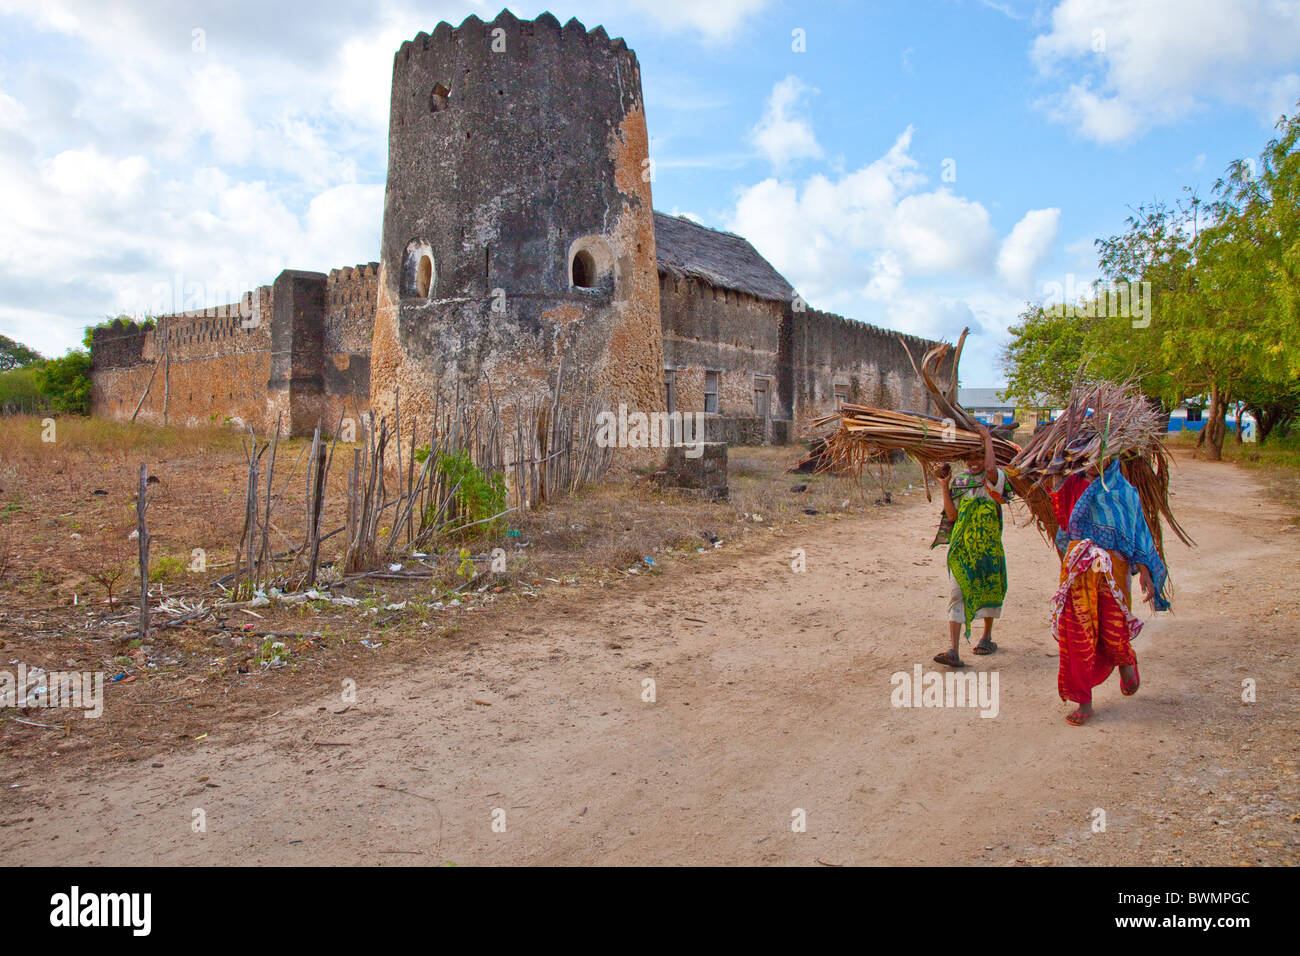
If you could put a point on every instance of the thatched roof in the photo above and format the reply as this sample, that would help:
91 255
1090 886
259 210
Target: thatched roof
688 250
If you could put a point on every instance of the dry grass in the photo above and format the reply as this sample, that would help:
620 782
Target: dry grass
23 440
67 510
64 540
616 526
67 542
1103 421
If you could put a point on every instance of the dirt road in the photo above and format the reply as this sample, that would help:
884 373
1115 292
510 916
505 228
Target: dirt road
772 696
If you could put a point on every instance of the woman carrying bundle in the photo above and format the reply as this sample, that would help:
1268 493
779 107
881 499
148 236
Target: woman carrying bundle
977 564
1103 540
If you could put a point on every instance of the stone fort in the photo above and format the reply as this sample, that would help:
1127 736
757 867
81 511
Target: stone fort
520 254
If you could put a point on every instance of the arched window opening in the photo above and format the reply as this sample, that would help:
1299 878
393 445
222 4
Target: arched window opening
419 271
424 277
584 270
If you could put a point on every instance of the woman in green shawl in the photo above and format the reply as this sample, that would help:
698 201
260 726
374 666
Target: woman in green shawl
977 565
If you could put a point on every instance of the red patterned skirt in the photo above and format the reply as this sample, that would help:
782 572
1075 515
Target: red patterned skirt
1092 619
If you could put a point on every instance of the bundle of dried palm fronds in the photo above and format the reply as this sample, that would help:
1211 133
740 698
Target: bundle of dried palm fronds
1103 421
865 434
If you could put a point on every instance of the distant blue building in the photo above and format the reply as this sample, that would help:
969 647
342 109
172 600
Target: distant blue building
1190 416
987 405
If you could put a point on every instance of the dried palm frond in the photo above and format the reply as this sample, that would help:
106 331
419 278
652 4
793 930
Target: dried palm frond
1103 421
865 434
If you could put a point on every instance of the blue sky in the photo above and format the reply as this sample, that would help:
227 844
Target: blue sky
923 166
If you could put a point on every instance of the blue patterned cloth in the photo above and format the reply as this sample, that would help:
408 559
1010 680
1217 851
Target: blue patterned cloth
1112 517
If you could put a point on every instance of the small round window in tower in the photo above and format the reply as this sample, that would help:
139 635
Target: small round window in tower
424 277
584 270
419 271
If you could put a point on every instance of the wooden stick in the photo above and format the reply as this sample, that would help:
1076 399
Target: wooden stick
142 531
149 385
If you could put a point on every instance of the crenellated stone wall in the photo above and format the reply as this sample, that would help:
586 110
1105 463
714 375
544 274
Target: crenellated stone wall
518 242
296 351
821 350
797 357
219 365
350 298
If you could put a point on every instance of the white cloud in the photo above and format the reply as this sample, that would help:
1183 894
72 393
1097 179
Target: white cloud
781 136
1026 248
13 115
1281 96
217 92
685 214
939 233
1102 119
878 244
715 20
868 229
1002 8
363 80
1128 65
197 171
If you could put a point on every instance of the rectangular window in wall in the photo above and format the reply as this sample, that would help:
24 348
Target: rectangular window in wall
711 393
841 394
762 405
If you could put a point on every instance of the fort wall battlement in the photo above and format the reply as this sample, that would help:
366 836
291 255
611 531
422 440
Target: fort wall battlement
514 148
519 242
865 364
296 351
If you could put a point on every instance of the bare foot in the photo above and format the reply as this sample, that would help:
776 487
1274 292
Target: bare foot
1080 715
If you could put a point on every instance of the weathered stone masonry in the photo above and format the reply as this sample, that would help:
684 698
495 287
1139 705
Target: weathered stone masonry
297 350
519 241
515 158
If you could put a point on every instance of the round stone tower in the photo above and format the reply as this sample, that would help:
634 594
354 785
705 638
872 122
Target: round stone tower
518 228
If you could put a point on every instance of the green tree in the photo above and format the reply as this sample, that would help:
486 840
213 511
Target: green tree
1043 356
66 382
18 388
15 354
1250 261
1225 286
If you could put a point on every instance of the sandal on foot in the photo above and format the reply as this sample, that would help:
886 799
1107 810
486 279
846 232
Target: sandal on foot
1129 688
949 659
1077 719
985 646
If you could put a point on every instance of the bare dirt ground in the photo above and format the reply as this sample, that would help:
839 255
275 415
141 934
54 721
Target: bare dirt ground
773 693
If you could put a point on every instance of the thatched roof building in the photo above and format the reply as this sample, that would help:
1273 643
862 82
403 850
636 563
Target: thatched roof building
688 250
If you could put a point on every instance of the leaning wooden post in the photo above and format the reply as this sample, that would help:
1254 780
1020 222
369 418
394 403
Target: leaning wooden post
142 530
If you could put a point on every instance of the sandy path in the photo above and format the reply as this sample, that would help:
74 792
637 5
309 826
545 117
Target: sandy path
779 701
